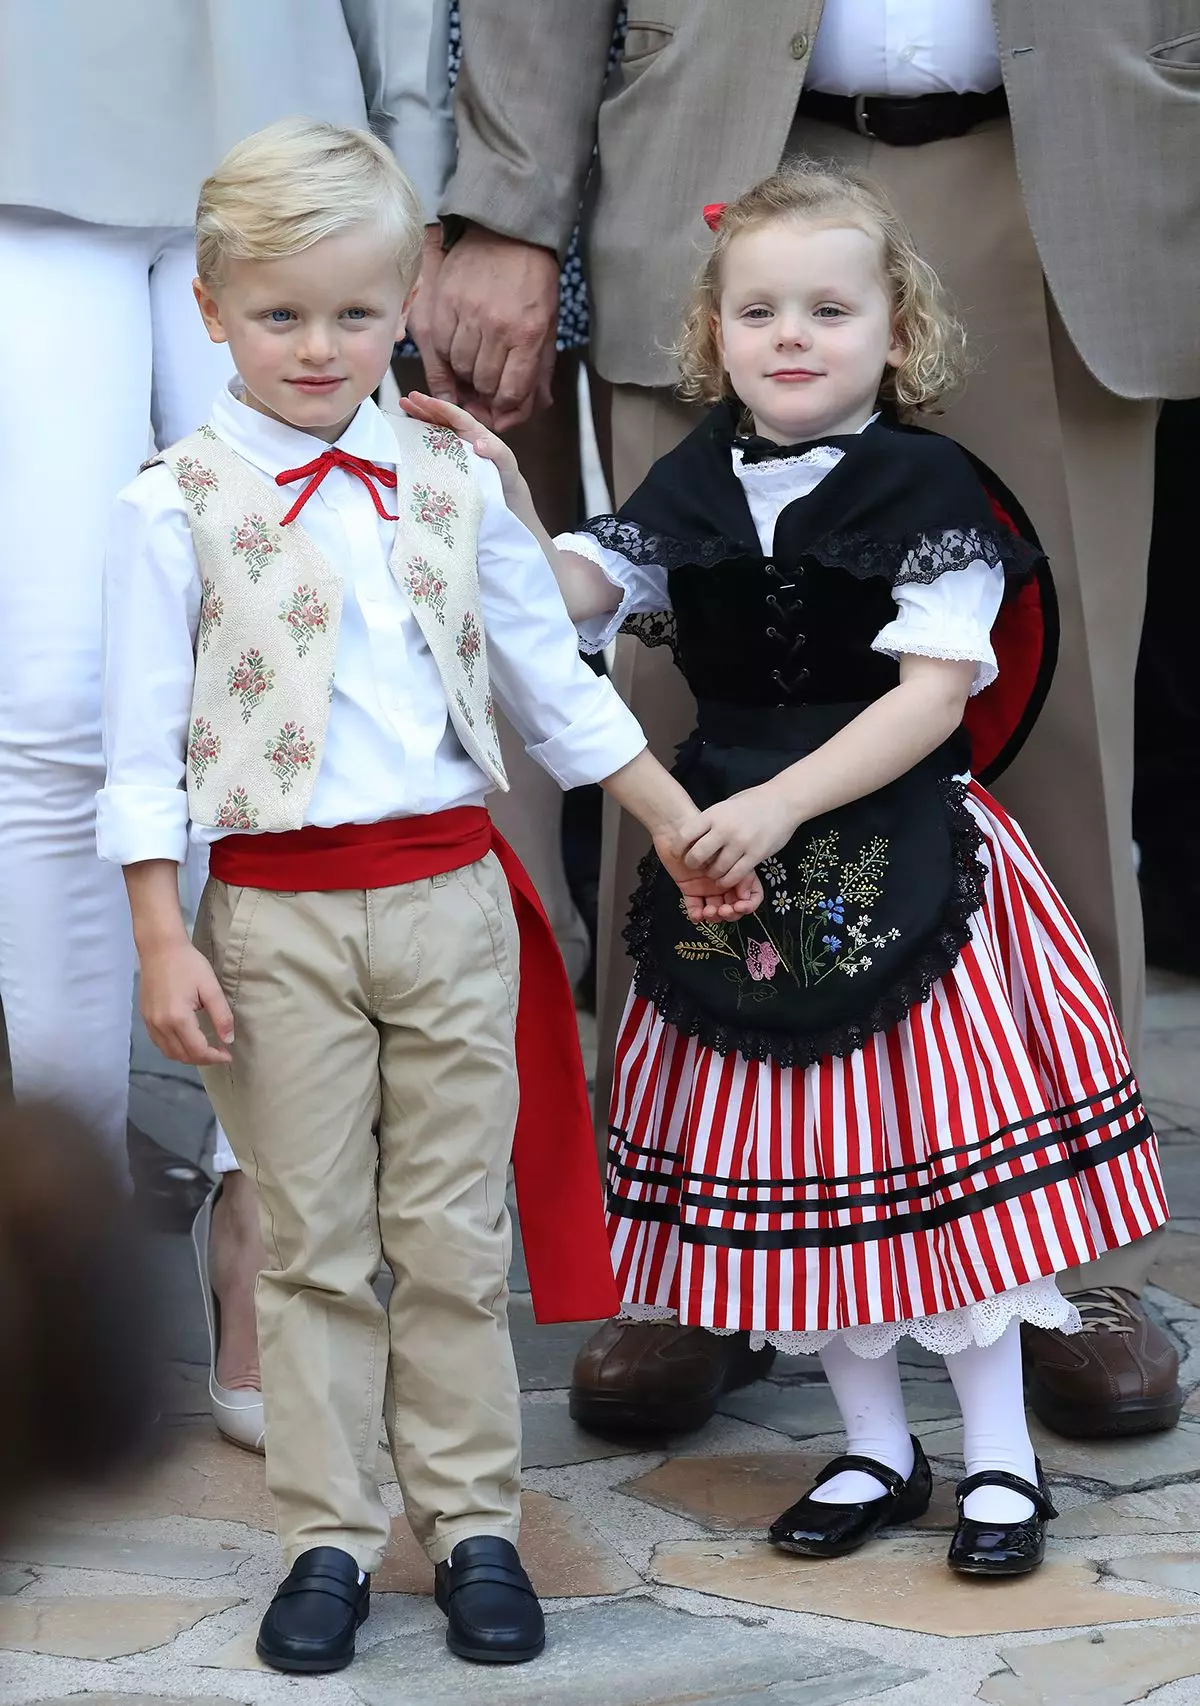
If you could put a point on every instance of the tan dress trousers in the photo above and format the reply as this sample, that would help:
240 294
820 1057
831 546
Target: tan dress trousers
372 1098
1080 460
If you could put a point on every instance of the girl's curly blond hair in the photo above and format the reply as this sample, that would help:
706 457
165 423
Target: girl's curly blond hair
933 341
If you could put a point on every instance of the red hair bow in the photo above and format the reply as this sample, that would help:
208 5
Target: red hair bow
713 212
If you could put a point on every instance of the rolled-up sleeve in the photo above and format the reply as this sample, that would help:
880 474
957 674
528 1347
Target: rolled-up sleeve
572 722
151 613
950 617
403 53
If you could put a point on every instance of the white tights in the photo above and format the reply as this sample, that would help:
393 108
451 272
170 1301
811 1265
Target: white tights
100 339
987 1383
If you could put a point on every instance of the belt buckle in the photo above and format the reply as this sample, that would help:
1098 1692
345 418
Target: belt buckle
860 118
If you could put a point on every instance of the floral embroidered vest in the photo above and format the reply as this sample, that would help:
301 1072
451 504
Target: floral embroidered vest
269 614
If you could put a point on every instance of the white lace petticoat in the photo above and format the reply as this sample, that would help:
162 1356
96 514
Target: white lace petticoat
1040 1303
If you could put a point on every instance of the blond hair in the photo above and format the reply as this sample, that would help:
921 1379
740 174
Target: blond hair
281 190
933 342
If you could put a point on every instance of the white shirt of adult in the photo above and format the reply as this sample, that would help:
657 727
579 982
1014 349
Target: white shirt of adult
390 748
904 48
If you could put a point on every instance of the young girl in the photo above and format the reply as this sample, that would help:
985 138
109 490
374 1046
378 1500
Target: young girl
895 1099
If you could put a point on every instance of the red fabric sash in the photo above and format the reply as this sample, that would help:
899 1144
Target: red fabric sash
554 1156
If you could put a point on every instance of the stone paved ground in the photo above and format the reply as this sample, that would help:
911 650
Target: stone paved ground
658 1587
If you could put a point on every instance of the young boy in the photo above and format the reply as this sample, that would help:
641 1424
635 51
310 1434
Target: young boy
308 606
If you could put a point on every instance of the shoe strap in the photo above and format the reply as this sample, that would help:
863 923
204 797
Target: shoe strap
322 1581
501 1575
891 1478
1038 1497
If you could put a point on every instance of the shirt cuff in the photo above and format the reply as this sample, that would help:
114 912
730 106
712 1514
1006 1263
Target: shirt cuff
596 632
603 740
133 824
961 644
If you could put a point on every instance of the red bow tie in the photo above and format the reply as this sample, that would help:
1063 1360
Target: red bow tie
314 472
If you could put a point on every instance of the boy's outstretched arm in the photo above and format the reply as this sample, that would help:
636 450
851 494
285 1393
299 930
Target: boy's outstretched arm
586 590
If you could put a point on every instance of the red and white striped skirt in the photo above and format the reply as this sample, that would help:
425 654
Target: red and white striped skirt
995 1137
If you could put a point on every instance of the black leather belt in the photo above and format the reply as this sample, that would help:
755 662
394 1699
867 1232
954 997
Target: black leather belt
905 123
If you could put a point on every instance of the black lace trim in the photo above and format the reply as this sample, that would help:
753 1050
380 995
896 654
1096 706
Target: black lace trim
654 628
938 957
641 545
919 561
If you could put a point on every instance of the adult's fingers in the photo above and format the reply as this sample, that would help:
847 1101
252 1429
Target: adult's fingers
520 385
464 348
439 375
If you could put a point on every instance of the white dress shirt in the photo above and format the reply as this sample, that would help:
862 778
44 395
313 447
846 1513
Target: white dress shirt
950 617
905 47
390 748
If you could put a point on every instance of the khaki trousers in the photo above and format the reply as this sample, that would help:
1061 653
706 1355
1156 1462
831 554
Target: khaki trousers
372 1098
1080 460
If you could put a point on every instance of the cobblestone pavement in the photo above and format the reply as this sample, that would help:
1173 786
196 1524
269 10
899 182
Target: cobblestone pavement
658 1587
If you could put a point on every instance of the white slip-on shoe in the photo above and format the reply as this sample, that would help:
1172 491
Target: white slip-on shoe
238 1415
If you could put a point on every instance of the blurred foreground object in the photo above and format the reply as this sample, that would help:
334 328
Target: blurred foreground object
76 1339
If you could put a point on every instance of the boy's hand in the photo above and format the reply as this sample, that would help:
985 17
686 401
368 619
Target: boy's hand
703 896
177 983
434 412
729 839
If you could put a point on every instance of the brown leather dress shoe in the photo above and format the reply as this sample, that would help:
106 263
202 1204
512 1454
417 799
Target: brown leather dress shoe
655 1377
1119 1376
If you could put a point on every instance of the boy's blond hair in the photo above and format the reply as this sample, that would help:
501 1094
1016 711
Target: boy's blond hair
281 190
933 341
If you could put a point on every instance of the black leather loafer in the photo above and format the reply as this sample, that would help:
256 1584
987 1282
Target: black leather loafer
816 1530
495 1618
312 1621
1001 1548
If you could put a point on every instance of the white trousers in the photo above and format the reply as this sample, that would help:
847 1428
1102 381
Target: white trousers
100 341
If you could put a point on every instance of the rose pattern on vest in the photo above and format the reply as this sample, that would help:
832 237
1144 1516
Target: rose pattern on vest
212 608
289 753
305 616
254 769
257 542
469 644
236 811
444 441
195 482
250 681
426 586
489 713
435 510
204 747
207 432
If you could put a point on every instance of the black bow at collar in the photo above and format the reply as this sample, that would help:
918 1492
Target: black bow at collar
755 449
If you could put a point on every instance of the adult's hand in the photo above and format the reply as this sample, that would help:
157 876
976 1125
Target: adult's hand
494 319
438 374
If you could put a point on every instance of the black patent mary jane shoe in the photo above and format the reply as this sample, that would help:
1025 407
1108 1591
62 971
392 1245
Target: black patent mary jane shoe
493 1611
317 1611
1001 1548
815 1530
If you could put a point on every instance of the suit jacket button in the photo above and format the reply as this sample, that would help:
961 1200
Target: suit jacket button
799 45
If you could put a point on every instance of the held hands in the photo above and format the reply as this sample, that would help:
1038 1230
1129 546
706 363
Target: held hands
435 412
728 840
178 984
704 897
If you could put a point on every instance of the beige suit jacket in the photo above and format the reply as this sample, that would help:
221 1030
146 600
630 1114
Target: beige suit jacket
115 111
1105 102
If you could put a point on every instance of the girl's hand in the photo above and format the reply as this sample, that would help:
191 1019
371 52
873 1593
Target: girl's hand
177 984
703 897
434 412
729 839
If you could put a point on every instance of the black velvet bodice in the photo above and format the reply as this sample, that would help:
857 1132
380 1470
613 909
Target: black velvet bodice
788 631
